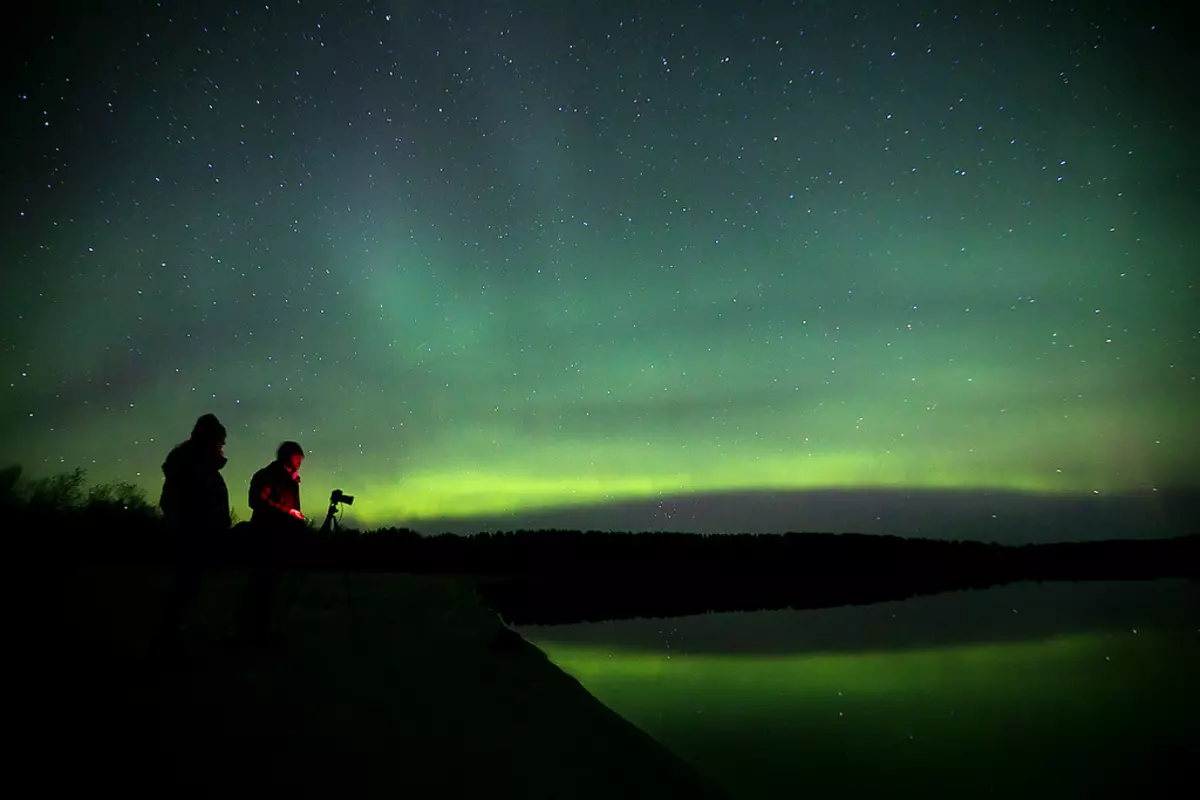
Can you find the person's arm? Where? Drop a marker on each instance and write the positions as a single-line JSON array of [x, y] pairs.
[[260, 494], [222, 513], [178, 499], [261, 497]]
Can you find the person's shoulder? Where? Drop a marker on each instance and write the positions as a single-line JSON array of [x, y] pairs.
[[265, 472], [180, 454]]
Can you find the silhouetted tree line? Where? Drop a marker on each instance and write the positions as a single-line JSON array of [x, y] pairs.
[[558, 577], [561, 576], [59, 511]]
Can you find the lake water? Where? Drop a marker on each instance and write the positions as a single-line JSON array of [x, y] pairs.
[[1028, 690]]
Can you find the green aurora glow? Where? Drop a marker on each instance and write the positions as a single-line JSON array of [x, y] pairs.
[[607, 254]]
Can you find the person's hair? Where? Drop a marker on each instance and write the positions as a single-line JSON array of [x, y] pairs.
[[287, 450], [208, 428]]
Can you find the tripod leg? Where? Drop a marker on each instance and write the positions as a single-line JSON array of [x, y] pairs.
[[327, 526]]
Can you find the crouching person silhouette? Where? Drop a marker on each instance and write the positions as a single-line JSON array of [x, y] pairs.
[[195, 506], [275, 524]]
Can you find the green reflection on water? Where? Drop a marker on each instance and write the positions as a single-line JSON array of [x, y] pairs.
[[1096, 713]]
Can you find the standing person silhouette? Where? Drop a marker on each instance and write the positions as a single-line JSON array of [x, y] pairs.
[[195, 506], [276, 519]]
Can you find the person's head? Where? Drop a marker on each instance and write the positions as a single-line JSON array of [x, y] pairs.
[[290, 455], [209, 433]]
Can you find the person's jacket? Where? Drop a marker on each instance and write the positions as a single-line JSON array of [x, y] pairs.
[[274, 491], [194, 495]]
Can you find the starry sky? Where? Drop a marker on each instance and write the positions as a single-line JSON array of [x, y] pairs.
[[490, 260]]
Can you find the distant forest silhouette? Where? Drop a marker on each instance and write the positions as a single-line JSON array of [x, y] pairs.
[[565, 576]]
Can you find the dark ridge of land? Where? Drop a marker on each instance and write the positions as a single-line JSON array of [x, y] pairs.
[[382, 686]]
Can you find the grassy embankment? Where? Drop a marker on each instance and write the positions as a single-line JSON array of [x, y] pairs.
[[386, 685]]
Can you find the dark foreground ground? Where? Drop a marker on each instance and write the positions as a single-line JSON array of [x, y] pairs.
[[384, 686]]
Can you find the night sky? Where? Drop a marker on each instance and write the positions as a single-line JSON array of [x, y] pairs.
[[490, 259]]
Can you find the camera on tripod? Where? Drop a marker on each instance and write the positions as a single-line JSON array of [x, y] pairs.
[[336, 498]]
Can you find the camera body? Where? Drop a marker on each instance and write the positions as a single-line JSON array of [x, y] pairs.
[[339, 497]]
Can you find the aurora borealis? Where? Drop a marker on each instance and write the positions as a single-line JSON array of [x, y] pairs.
[[1031, 689], [501, 257]]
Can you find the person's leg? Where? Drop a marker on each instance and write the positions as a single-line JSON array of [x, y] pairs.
[[254, 621], [186, 576], [270, 593]]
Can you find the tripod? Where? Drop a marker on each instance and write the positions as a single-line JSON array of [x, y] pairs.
[[328, 526], [330, 517], [336, 498]]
